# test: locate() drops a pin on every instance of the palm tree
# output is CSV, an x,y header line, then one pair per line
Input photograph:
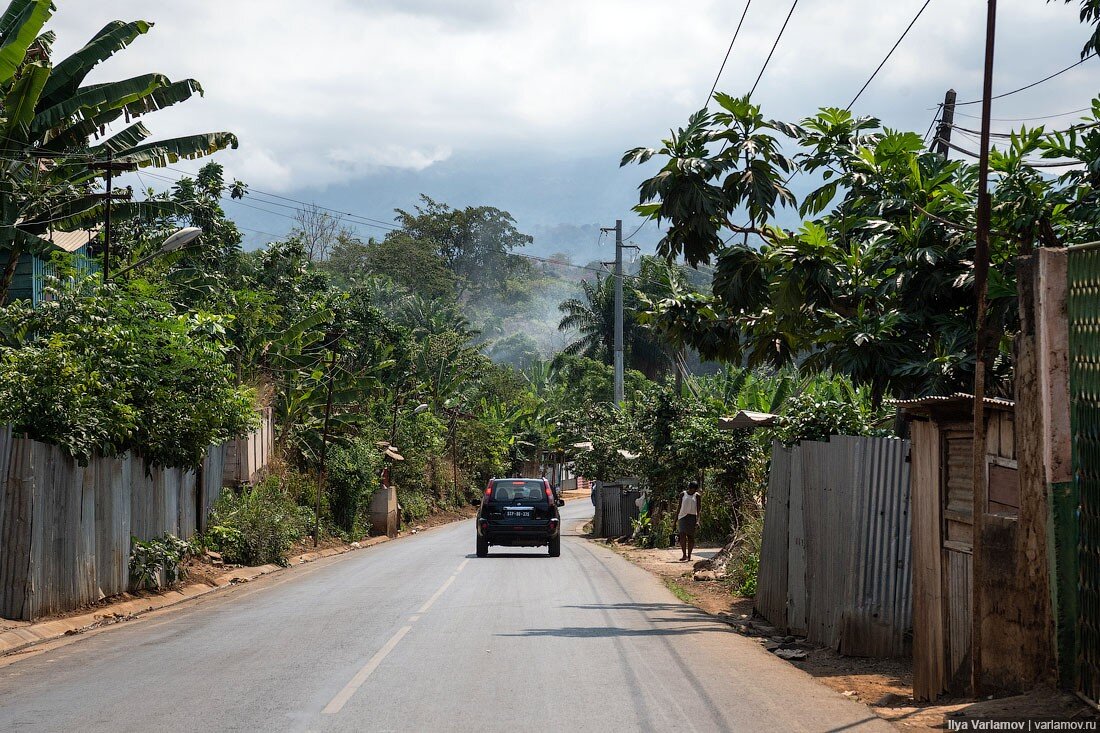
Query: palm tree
x,y
593,318
48,116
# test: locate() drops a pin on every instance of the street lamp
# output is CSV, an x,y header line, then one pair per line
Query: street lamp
x,y
177,241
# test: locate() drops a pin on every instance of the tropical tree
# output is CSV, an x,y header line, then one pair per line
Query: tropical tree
x,y
48,116
474,243
592,317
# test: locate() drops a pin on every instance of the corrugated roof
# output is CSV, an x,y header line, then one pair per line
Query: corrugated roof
x,y
956,399
747,419
71,241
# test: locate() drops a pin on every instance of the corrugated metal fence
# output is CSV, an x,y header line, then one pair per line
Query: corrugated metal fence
x,y
835,562
615,508
65,529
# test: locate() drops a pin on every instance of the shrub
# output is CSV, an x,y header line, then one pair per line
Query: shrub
x,y
746,562
102,369
259,525
353,474
414,505
148,558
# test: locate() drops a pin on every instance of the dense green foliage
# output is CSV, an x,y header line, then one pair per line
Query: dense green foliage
x,y
259,525
161,557
110,370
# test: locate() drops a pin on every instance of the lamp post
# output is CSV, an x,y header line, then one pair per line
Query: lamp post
x,y
177,241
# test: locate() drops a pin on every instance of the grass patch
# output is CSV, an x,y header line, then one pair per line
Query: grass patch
x,y
678,591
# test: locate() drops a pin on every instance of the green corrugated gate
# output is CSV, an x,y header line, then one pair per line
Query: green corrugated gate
x,y
1084,334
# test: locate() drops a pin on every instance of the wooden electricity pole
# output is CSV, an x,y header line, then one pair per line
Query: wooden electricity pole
x,y
942,143
110,167
981,340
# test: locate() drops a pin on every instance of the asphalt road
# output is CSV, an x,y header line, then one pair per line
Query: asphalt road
x,y
420,635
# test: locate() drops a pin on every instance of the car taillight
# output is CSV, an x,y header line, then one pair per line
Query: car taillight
x,y
553,524
489,489
549,494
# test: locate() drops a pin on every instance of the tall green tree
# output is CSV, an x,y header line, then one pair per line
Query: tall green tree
x,y
474,243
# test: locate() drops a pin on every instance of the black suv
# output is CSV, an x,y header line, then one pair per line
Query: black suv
x,y
519,512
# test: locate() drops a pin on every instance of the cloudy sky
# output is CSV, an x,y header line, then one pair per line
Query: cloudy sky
x,y
527,105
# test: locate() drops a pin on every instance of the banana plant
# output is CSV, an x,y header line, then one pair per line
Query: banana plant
x,y
48,117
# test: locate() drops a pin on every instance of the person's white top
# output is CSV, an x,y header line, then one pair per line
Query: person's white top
x,y
689,504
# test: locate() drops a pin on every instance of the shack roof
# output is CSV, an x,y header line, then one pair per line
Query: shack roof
x,y
958,403
71,241
747,420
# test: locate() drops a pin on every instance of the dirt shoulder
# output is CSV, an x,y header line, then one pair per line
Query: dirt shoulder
x,y
884,685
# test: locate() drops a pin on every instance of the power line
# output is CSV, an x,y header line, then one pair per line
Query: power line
x,y
774,46
727,58
1032,84
1028,119
1045,134
1049,164
535,258
889,54
935,119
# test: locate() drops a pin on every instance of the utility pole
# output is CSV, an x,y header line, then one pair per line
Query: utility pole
x,y
981,277
110,167
942,143
619,346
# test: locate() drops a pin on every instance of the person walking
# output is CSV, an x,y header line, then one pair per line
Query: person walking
x,y
688,520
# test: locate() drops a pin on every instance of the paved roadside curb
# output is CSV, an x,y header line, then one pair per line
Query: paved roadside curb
x,y
24,637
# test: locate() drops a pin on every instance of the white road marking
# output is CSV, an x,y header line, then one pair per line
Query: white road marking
x,y
341,699
361,676
436,595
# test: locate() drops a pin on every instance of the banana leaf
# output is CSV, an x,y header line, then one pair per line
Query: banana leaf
x,y
19,28
68,75
167,152
92,100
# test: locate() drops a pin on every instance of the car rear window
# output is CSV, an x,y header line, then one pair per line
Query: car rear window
x,y
519,490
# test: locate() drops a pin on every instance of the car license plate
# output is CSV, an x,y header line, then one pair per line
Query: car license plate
x,y
517,513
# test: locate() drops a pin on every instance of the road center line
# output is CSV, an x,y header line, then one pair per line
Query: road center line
x,y
361,676
341,699
436,595
445,586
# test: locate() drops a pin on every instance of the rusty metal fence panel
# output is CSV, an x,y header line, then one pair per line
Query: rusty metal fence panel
x,y
880,610
796,551
65,529
836,558
827,504
210,482
771,583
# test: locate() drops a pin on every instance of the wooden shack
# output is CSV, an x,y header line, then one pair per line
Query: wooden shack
x,y
941,433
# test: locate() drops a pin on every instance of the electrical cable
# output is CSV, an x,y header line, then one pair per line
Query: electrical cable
x,y
1032,84
1052,133
889,54
774,46
932,125
1026,119
728,51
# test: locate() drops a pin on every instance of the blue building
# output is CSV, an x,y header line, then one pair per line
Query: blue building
x,y
33,270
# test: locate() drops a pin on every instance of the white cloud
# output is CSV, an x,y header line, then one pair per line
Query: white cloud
x,y
327,92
